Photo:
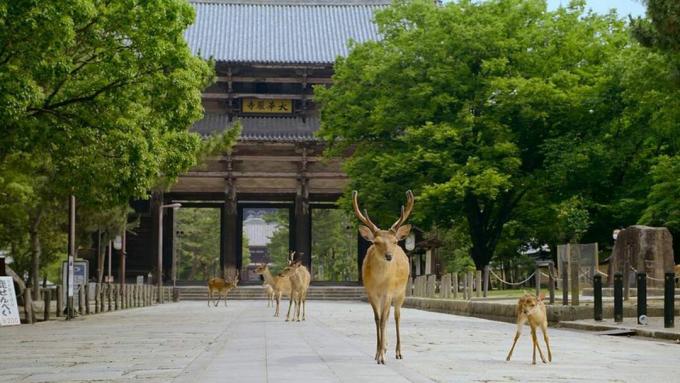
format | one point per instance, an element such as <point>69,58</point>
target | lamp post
<point>159,268</point>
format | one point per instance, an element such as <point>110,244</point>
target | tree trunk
<point>485,220</point>
<point>36,251</point>
<point>100,258</point>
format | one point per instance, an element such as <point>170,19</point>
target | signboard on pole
<point>9,310</point>
<point>77,277</point>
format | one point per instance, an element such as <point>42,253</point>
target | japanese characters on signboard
<point>9,310</point>
<point>266,106</point>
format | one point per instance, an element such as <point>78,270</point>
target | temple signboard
<point>266,106</point>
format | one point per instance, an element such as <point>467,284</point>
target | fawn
<point>531,309</point>
<point>221,287</point>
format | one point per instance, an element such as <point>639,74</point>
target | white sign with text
<point>9,310</point>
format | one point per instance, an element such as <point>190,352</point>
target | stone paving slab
<point>189,342</point>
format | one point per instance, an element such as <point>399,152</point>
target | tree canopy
<point>501,112</point>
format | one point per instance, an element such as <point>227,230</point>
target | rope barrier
<point>648,277</point>
<point>511,283</point>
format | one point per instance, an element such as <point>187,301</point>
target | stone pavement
<point>188,342</point>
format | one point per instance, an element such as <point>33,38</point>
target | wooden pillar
<point>229,230</point>
<point>157,234</point>
<point>121,265</point>
<point>303,223</point>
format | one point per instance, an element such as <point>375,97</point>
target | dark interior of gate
<point>266,86</point>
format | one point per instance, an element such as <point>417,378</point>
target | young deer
<point>385,271</point>
<point>299,281</point>
<point>280,285</point>
<point>221,286</point>
<point>531,309</point>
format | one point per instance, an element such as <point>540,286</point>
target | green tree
<point>199,243</point>
<point>463,103</point>
<point>334,245</point>
<point>96,99</point>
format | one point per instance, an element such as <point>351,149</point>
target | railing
<point>95,298</point>
<point>641,278</point>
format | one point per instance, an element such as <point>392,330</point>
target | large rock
<point>643,248</point>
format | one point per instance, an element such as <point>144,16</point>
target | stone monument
<point>643,249</point>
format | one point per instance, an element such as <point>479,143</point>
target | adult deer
<point>280,285</point>
<point>299,281</point>
<point>269,293</point>
<point>385,271</point>
<point>221,287</point>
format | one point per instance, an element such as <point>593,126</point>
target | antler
<point>363,218</point>
<point>404,212</point>
<point>291,257</point>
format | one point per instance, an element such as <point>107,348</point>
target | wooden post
<point>109,296</point>
<point>116,297</point>
<point>551,282</point>
<point>564,267</point>
<point>574,283</point>
<point>28,306</point>
<point>597,297</point>
<point>47,299</point>
<point>87,298</point>
<point>454,282</point>
<point>97,298</point>
<point>81,300</point>
<point>102,297</point>
<point>60,301</point>
<point>478,284</point>
<point>486,281</point>
<point>537,276</point>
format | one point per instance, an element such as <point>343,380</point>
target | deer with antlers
<point>280,285</point>
<point>299,281</point>
<point>221,287</point>
<point>385,271</point>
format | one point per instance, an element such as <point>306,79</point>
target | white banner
<point>9,310</point>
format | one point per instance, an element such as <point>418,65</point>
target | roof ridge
<point>283,3</point>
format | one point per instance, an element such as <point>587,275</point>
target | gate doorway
<point>334,246</point>
<point>197,244</point>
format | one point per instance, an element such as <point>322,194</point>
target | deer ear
<point>402,232</point>
<point>366,233</point>
<point>541,296</point>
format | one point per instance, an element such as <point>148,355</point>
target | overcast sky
<point>623,7</point>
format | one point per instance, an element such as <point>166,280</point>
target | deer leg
<point>290,304</point>
<point>520,323</point>
<point>304,305</point>
<point>544,330</point>
<point>209,294</point>
<point>376,317</point>
<point>534,340</point>
<point>278,301</point>
<point>386,305</point>
<point>397,317</point>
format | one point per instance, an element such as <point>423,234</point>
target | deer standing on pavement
<point>531,309</point>
<point>280,285</point>
<point>385,271</point>
<point>221,286</point>
<point>299,280</point>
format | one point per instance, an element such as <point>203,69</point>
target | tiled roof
<point>261,128</point>
<point>302,32</point>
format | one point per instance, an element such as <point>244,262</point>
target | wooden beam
<point>311,175</point>
<point>276,80</point>
<point>268,96</point>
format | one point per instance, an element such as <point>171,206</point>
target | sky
<point>623,7</point>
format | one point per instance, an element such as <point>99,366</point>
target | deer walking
<point>221,287</point>
<point>280,285</point>
<point>531,309</point>
<point>385,271</point>
<point>299,280</point>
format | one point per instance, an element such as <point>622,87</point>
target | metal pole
<point>641,295</point>
<point>71,256</point>
<point>159,266</point>
<point>597,295</point>
<point>565,283</point>
<point>551,282</point>
<point>618,297</point>
<point>537,275</point>
<point>109,254</point>
<point>486,281</point>
<point>669,301</point>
